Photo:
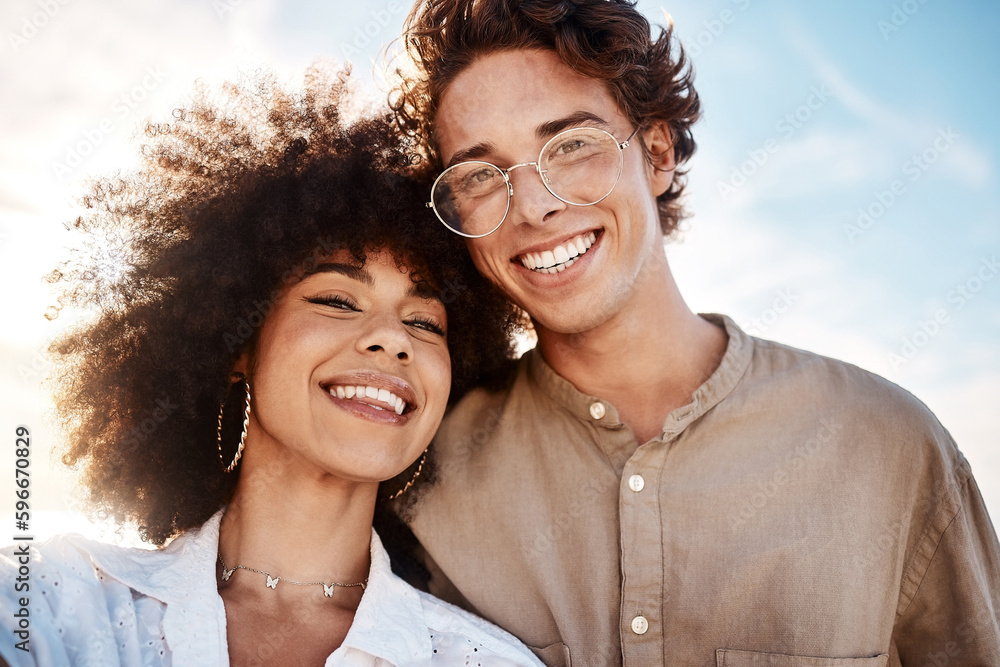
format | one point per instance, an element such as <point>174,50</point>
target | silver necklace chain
<point>272,581</point>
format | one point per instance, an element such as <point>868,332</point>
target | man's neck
<point>647,360</point>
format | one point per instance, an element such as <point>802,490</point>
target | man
<point>655,486</point>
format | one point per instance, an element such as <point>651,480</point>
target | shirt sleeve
<point>77,614</point>
<point>950,599</point>
<point>38,639</point>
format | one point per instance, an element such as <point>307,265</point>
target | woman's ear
<point>660,155</point>
<point>242,365</point>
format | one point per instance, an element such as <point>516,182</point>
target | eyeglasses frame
<point>541,174</point>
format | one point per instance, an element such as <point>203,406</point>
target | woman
<point>278,325</point>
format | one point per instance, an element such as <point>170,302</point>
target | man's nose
<point>531,202</point>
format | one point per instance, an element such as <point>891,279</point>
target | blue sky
<point>812,111</point>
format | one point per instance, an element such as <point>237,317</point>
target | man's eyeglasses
<point>579,166</point>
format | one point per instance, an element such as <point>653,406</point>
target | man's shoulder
<point>807,377</point>
<point>875,417</point>
<point>479,414</point>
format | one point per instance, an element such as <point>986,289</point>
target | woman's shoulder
<point>70,560</point>
<point>90,602</point>
<point>75,609</point>
<point>62,563</point>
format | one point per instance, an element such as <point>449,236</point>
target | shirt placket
<point>641,619</point>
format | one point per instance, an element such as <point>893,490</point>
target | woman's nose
<point>389,335</point>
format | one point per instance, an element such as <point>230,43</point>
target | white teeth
<point>360,392</point>
<point>561,257</point>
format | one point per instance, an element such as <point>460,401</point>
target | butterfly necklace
<point>272,582</point>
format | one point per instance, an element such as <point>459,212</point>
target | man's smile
<point>559,258</point>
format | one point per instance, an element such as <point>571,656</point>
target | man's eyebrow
<point>549,128</point>
<point>543,131</point>
<point>471,153</point>
<point>349,270</point>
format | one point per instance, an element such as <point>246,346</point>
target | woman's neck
<point>297,523</point>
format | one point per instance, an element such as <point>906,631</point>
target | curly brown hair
<point>183,257</point>
<point>607,40</point>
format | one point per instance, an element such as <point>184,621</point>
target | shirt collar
<point>169,574</point>
<point>734,364</point>
<point>183,574</point>
<point>390,621</point>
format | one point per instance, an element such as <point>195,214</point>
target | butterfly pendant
<point>272,583</point>
<point>227,573</point>
<point>328,590</point>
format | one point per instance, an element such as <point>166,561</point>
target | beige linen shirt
<point>799,511</point>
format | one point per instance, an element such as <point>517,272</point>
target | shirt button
<point>597,410</point>
<point>640,625</point>
<point>636,483</point>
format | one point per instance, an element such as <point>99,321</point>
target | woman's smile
<point>381,398</point>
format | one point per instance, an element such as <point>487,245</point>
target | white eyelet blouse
<point>98,604</point>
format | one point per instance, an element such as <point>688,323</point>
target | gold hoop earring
<point>246,422</point>
<point>420,468</point>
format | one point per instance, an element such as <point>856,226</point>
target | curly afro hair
<point>241,192</point>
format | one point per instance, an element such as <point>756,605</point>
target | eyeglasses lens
<point>581,167</point>
<point>578,166</point>
<point>471,197</point>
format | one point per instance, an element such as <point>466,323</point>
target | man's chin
<point>573,327</point>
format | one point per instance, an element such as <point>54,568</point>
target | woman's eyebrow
<point>356,272</point>
<point>419,289</point>
<point>424,290</point>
